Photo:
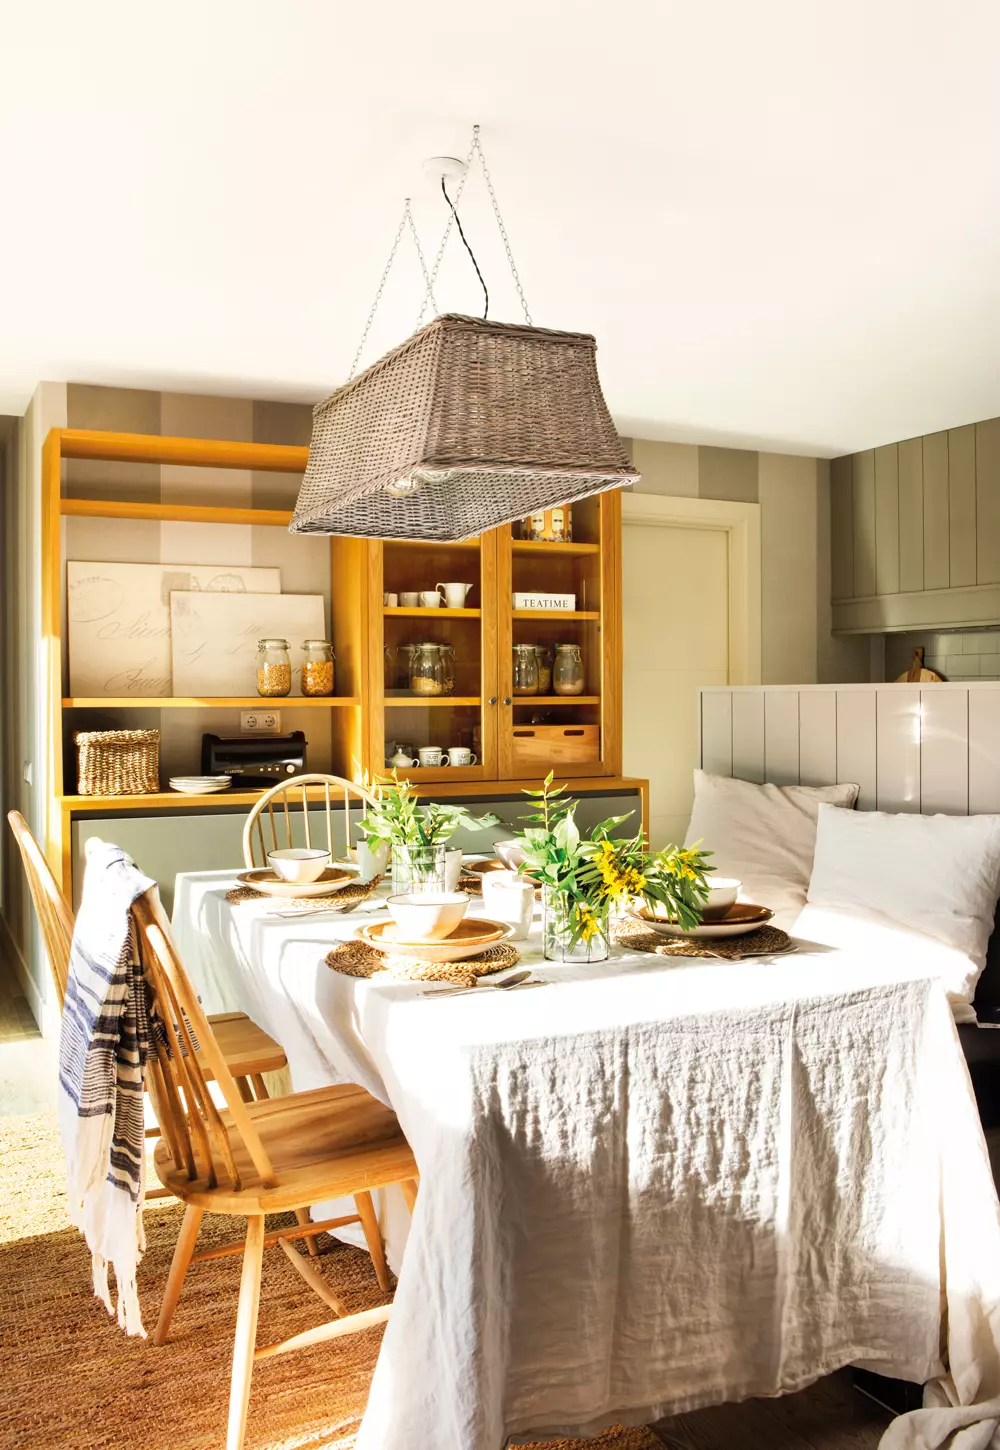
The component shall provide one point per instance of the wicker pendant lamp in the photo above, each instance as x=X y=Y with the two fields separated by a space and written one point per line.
x=467 y=425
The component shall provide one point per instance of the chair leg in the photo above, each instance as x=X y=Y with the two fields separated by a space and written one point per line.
x=303 y=1219
x=373 y=1238
x=183 y=1250
x=409 y=1187
x=246 y=1333
x=243 y=1087
x=259 y=1086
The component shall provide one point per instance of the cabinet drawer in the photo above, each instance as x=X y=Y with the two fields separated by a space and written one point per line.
x=543 y=745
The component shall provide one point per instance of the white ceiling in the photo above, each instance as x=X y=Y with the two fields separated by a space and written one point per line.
x=780 y=218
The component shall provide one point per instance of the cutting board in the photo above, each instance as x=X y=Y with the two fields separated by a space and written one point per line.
x=918 y=672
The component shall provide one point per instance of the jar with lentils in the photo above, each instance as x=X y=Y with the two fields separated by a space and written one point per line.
x=274 y=668
x=317 y=667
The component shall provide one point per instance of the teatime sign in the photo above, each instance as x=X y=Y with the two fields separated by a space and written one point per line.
x=119 y=620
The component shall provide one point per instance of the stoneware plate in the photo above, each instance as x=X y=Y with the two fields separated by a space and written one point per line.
x=486 y=868
x=262 y=878
x=199 y=784
x=471 y=936
x=738 y=920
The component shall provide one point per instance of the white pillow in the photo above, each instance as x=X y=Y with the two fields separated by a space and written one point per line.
x=762 y=834
x=934 y=878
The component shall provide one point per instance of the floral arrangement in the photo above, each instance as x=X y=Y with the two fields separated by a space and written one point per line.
x=587 y=879
x=395 y=819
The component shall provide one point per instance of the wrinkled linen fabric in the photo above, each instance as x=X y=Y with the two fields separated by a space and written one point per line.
x=652 y=1185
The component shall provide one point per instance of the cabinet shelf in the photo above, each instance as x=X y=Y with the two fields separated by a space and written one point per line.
x=205 y=702
x=527 y=547
x=430 y=701
x=173 y=513
x=557 y=700
x=433 y=613
x=556 y=613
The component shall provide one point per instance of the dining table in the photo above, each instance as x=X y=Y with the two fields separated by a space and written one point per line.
x=647 y=1184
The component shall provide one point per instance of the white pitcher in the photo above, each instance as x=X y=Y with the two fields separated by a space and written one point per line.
x=453 y=594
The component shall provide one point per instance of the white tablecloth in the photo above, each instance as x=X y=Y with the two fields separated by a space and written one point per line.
x=647 y=1186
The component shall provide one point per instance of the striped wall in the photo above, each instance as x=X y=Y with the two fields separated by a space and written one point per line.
x=926 y=749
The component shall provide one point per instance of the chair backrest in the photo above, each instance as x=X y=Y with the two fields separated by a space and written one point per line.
x=189 y=1119
x=55 y=916
x=288 y=802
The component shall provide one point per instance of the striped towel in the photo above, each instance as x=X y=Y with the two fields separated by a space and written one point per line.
x=102 y=1055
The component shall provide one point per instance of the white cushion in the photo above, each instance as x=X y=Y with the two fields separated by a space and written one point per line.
x=926 y=885
x=762 y=834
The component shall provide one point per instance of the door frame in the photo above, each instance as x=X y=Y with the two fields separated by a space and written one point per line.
x=740 y=522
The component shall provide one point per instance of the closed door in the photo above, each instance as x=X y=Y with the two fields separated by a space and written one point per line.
x=675 y=625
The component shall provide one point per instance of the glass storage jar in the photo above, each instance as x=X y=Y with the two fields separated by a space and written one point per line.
x=544 y=657
x=525 y=670
x=274 y=668
x=567 y=672
x=317 y=667
x=426 y=672
x=447 y=669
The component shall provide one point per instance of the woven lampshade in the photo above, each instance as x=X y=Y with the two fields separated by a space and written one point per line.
x=467 y=425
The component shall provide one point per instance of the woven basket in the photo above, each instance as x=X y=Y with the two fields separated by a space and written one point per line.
x=493 y=421
x=117 y=762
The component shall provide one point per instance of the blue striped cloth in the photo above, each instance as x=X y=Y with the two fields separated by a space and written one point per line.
x=103 y=1045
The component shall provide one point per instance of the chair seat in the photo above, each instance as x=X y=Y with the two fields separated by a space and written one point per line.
x=332 y=1142
x=245 y=1046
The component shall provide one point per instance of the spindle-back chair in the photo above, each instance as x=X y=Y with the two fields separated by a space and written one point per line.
x=285 y=802
x=251 y=1159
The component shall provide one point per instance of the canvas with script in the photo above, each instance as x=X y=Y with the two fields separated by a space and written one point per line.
x=119 y=620
x=214 y=638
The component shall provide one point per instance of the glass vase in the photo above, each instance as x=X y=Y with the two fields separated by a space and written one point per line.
x=557 y=933
x=418 y=868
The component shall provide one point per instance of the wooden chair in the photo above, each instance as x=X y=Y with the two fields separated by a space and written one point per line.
x=281 y=822
x=257 y=1158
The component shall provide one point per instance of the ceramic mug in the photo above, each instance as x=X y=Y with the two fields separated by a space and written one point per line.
x=430 y=599
x=458 y=755
x=430 y=755
x=409 y=601
x=453 y=594
x=452 y=869
x=391 y=601
x=507 y=897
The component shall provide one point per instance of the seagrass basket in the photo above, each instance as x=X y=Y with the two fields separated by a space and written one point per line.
x=117 y=762
x=467 y=425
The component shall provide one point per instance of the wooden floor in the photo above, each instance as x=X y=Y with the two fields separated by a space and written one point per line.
x=28 y=1074
x=830 y=1415
x=16 y=1021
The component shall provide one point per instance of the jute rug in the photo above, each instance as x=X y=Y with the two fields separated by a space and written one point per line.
x=71 y=1379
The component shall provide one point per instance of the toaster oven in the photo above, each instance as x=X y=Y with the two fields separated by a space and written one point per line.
x=254 y=760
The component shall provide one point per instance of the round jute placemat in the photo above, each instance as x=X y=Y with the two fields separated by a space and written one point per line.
x=634 y=937
x=122 y=1392
x=357 y=959
x=352 y=895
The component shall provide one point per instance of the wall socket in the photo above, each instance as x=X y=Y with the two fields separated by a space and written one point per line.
x=260 y=722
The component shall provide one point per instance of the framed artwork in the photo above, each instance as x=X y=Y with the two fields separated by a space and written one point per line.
x=118 y=618
x=214 y=637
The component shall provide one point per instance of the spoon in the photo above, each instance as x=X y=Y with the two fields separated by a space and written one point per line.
x=516 y=979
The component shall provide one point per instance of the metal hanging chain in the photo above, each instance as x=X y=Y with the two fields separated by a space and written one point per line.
x=406 y=220
x=503 y=230
x=429 y=291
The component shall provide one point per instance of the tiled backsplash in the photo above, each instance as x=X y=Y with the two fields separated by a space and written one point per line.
x=957 y=654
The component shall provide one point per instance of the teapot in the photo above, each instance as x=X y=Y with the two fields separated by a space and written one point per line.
x=402 y=760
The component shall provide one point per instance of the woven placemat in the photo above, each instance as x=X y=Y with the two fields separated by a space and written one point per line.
x=357 y=959
x=635 y=937
x=352 y=895
x=472 y=885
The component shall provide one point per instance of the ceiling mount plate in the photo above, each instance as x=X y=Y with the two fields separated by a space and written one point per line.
x=444 y=168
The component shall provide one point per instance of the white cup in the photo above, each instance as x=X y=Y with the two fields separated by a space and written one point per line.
x=459 y=755
x=410 y=601
x=430 y=599
x=452 y=869
x=371 y=863
x=391 y=601
x=430 y=755
x=453 y=594
x=510 y=899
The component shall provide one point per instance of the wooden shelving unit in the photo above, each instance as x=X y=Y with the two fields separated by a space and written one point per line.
x=367 y=711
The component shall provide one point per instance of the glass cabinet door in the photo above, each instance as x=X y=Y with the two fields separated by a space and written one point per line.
x=558 y=601
x=433 y=665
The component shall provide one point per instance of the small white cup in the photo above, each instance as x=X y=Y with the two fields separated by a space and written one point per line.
x=452 y=869
x=371 y=863
x=430 y=599
x=391 y=601
x=453 y=594
x=430 y=755
x=510 y=899
x=409 y=601
x=459 y=755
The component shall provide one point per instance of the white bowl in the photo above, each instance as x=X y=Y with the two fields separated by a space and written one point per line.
x=299 y=863
x=510 y=853
x=723 y=891
x=427 y=915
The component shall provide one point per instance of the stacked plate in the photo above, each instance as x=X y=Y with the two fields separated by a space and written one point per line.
x=737 y=920
x=199 y=784
x=472 y=936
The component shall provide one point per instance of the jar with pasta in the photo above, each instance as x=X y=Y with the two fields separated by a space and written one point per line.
x=447 y=669
x=426 y=673
x=525 y=670
x=274 y=668
x=567 y=672
x=317 y=667
x=543 y=655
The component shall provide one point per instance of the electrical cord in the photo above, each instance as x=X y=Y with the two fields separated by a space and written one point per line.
x=465 y=240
